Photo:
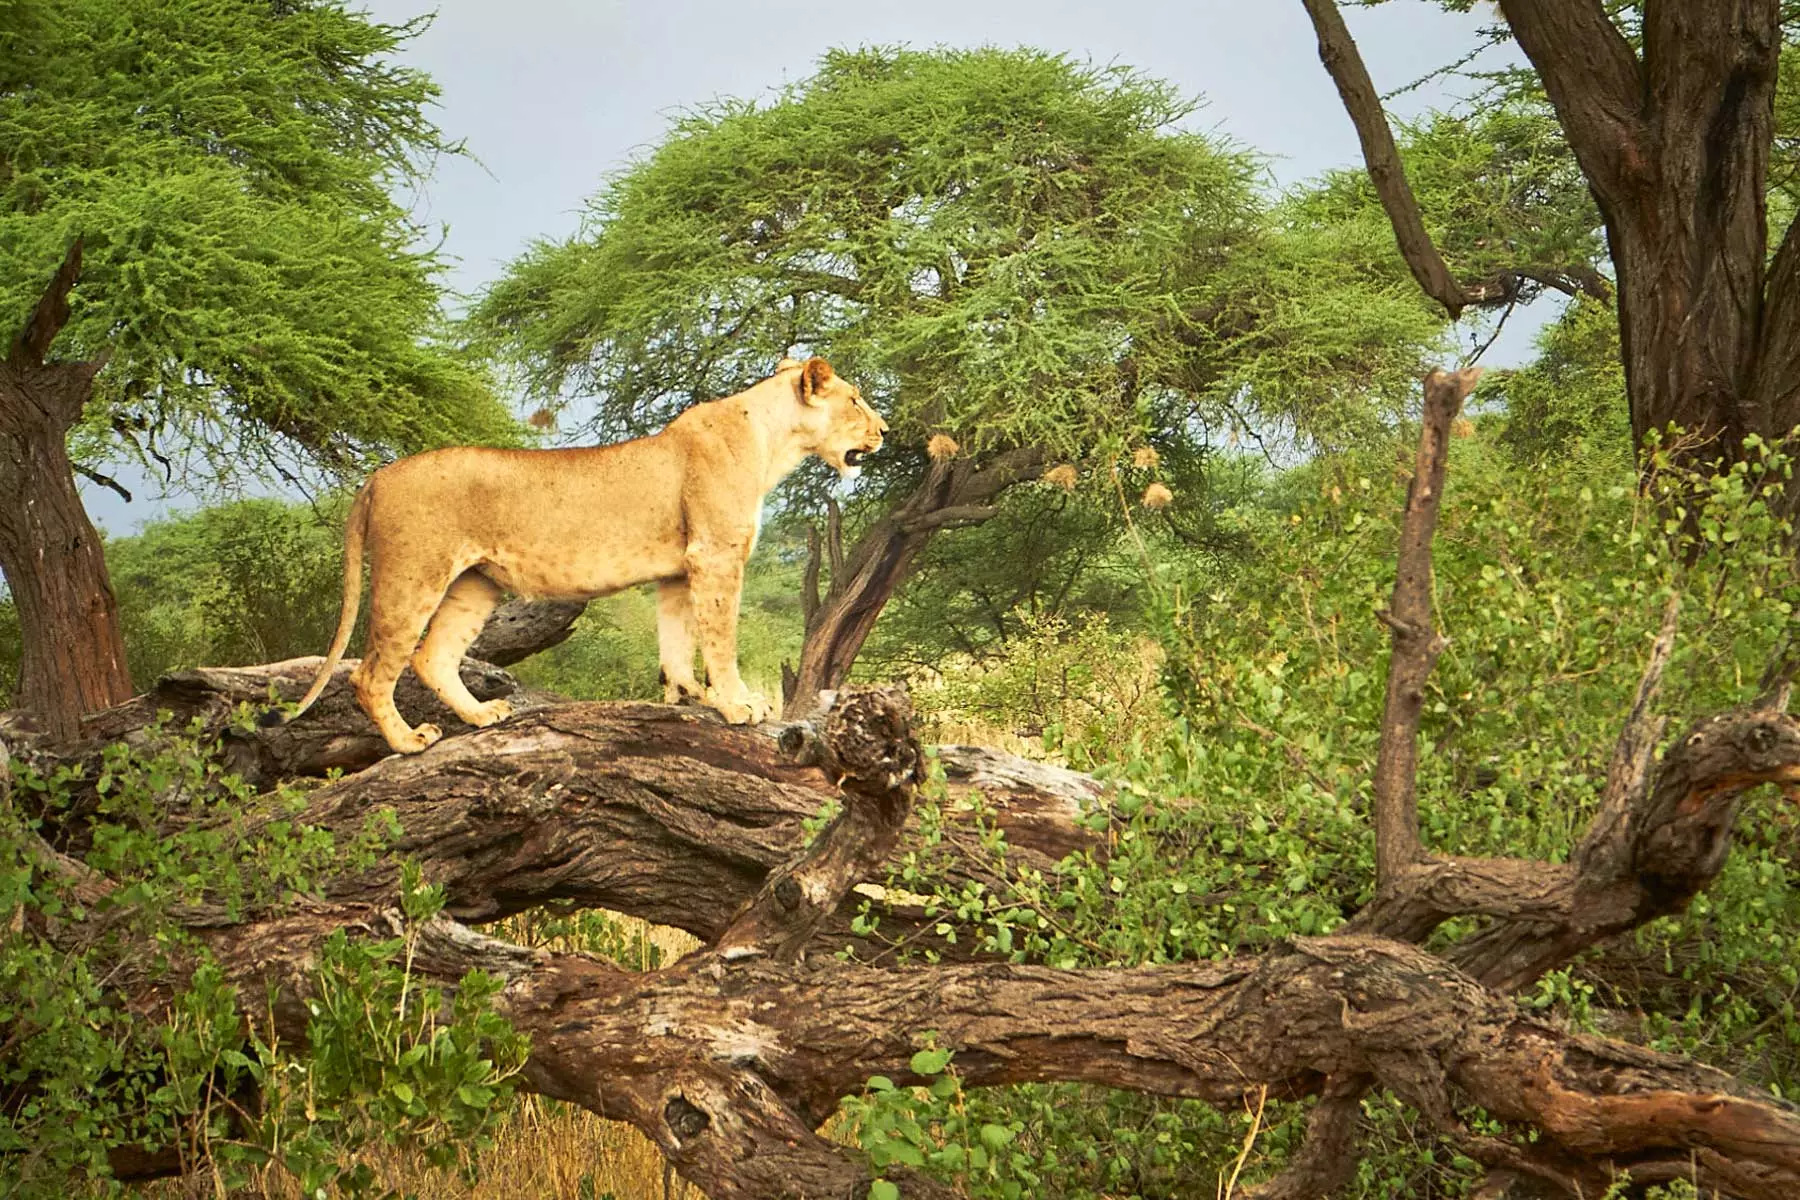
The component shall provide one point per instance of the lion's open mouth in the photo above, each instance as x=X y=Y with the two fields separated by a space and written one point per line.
x=853 y=458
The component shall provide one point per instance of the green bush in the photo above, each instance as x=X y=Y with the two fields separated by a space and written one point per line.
x=385 y=1059
x=1249 y=822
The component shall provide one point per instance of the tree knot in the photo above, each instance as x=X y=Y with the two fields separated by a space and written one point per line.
x=869 y=741
x=684 y=1119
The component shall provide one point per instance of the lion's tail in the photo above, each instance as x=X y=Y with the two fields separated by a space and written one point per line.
x=355 y=530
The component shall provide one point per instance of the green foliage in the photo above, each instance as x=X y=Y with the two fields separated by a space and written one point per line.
x=387 y=1062
x=228 y=165
x=246 y=582
x=938 y=1128
x=1003 y=245
x=1498 y=188
x=183 y=841
x=612 y=655
x=1249 y=824
x=1569 y=404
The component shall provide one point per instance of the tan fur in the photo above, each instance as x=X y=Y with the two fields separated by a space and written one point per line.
x=450 y=530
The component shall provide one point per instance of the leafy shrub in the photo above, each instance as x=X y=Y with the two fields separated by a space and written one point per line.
x=385 y=1059
x=1249 y=821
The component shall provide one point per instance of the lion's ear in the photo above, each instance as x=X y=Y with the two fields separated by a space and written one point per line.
x=813 y=376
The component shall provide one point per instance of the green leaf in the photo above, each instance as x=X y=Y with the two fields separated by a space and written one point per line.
x=929 y=1062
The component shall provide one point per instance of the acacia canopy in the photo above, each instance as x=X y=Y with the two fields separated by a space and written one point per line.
x=230 y=169
x=1006 y=246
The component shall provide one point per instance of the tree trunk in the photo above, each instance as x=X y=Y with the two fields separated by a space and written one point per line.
x=1675 y=143
x=730 y=1058
x=1681 y=182
x=955 y=492
x=74 y=653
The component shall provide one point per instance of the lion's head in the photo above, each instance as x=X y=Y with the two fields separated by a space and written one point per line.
x=835 y=422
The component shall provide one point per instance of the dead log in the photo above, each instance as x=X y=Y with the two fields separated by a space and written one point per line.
x=730 y=1058
x=520 y=628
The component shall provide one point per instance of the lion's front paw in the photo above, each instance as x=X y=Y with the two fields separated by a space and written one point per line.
x=746 y=708
x=491 y=713
x=416 y=739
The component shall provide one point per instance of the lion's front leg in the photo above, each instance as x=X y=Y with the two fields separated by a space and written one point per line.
x=715 y=582
x=675 y=641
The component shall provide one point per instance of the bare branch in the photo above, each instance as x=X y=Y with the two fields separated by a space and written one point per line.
x=834 y=544
x=809 y=579
x=955 y=516
x=1338 y=51
x=1416 y=644
x=869 y=748
x=105 y=481
x=1628 y=772
x=1326 y=1160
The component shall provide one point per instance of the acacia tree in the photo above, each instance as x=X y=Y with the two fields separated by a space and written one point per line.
x=200 y=263
x=1670 y=109
x=1021 y=253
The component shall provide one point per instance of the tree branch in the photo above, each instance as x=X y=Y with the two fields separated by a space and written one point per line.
x=1416 y=644
x=955 y=516
x=49 y=316
x=869 y=749
x=1593 y=80
x=1339 y=53
x=520 y=628
x=105 y=481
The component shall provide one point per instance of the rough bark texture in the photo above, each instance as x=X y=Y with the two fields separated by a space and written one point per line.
x=1675 y=144
x=73 y=658
x=520 y=628
x=955 y=492
x=1416 y=644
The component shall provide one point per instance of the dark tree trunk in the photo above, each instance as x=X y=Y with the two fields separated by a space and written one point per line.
x=74 y=654
x=1674 y=142
x=1676 y=146
x=955 y=492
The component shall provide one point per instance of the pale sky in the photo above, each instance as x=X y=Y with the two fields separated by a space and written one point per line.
x=552 y=96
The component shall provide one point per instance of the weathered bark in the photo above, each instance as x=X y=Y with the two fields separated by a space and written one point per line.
x=1675 y=144
x=576 y=803
x=955 y=492
x=73 y=658
x=520 y=628
x=731 y=1057
x=1416 y=644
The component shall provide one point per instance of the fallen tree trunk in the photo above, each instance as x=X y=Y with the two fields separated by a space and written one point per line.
x=730 y=1058
x=646 y=809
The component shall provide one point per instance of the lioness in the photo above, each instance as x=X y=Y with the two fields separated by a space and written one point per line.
x=449 y=530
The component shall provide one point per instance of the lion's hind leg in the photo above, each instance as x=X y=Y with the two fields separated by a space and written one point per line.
x=454 y=628
x=396 y=614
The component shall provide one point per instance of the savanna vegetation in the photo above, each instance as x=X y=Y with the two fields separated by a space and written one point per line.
x=1387 y=784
